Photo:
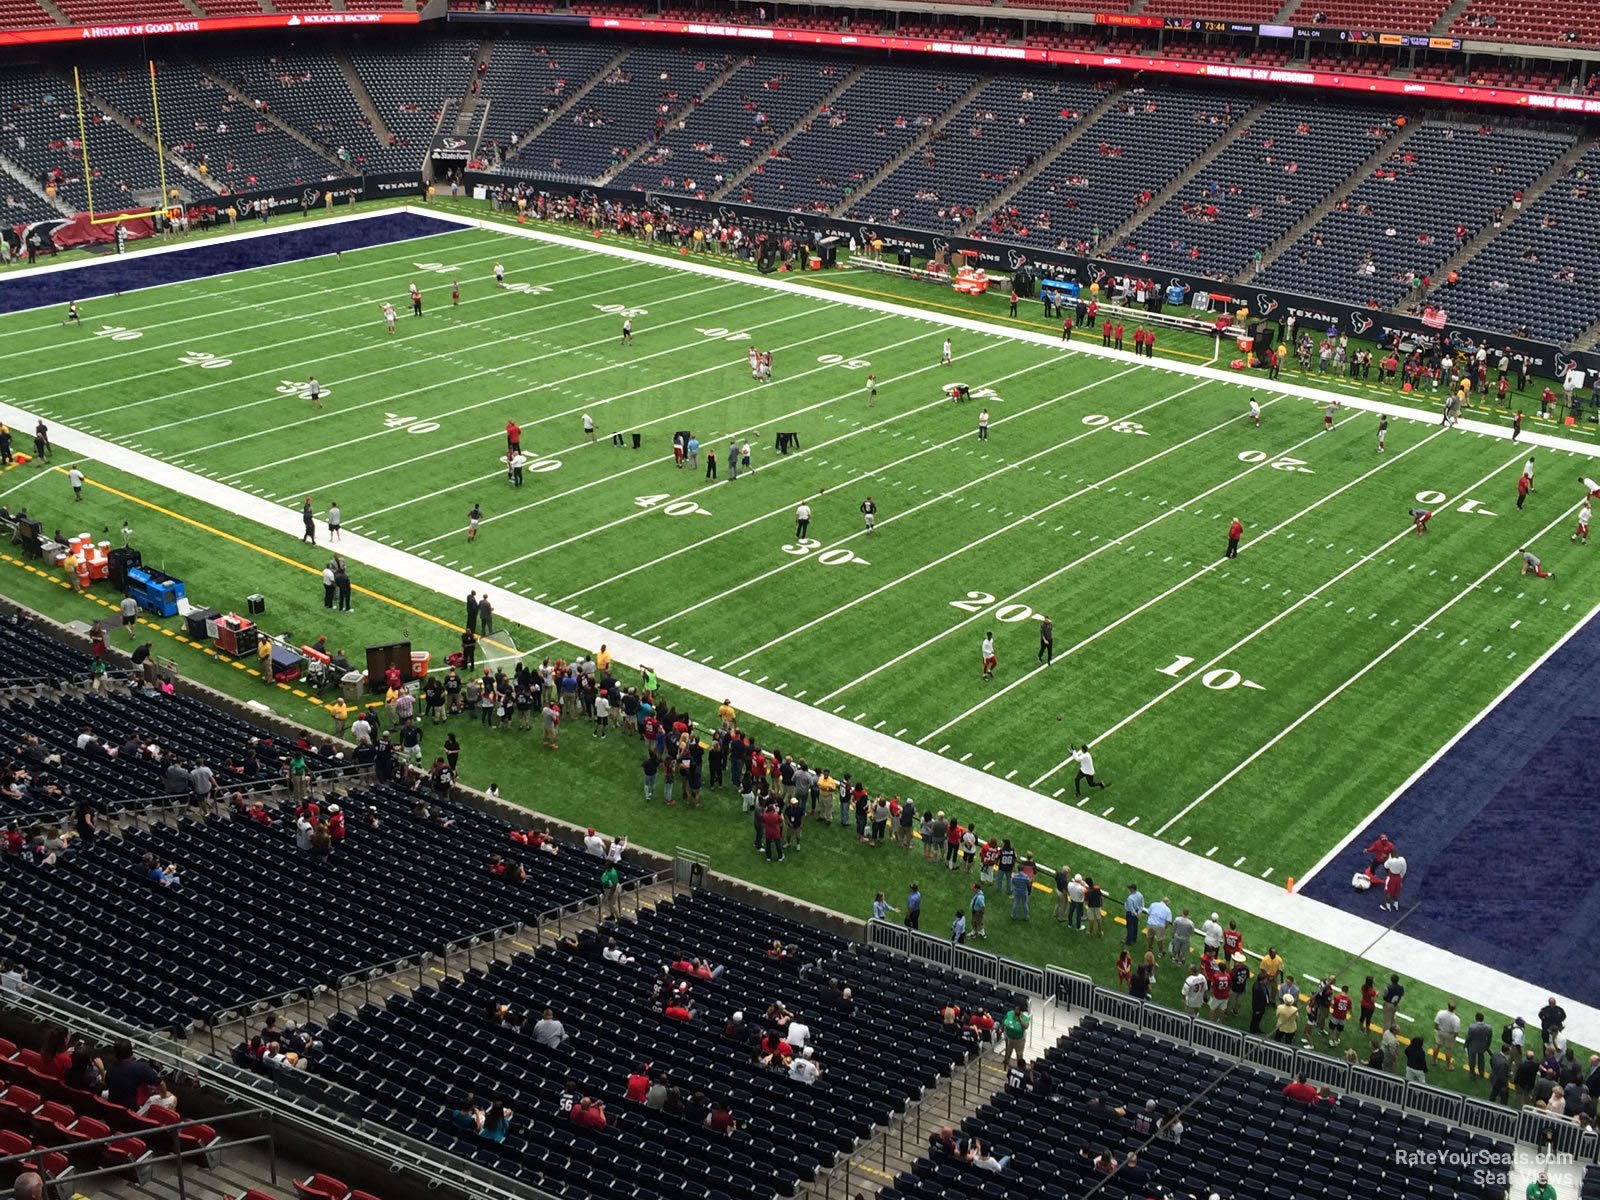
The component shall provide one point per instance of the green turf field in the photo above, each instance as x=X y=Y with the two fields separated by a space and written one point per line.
x=1324 y=664
x=1100 y=498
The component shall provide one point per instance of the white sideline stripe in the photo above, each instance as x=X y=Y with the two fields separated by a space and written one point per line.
x=538 y=387
x=652 y=460
x=1316 y=592
x=1383 y=805
x=455 y=447
x=1342 y=931
x=344 y=381
x=768 y=515
x=1203 y=571
x=1398 y=642
x=1018 y=523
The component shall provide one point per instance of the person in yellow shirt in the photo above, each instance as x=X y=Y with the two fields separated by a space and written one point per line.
x=70 y=565
x=339 y=711
x=264 y=659
x=389 y=698
x=602 y=661
x=827 y=789
x=1271 y=966
x=726 y=714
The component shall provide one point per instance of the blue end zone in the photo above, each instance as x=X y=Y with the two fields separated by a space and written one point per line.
x=1498 y=835
x=25 y=290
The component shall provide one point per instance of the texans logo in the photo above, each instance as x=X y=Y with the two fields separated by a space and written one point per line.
x=797 y=225
x=310 y=196
x=1097 y=273
x=728 y=215
x=940 y=245
x=1265 y=305
x=868 y=235
x=1015 y=259
x=588 y=197
x=1565 y=364
x=1360 y=322
x=1459 y=342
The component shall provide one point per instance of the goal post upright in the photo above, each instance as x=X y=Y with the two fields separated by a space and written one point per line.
x=83 y=142
x=161 y=145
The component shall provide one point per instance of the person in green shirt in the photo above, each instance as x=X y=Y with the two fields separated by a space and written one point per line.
x=1015 y=1027
x=297 y=777
x=1540 y=1188
x=611 y=891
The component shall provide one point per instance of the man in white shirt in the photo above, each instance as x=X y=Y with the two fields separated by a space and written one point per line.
x=1211 y=934
x=1195 y=988
x=802 y=520
x=983 y=425
x=1446 y=1027
x=1255 y=411
x=594 y=844
x=944 y=353
x=988 y=656
x=1581 y=533
x=804 y=1069
x=1085 y=762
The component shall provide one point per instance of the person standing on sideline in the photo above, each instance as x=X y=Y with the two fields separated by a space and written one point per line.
x=330 y=586
x=41 y=442
x=802 y=520
x=733 y=459
x=987 y=650
x=515 y=467
x=1255 y=412
x=914 y=907
x=1327 y=415
x=472 y=610
x=1581 y=533
x=75 y=478
x=1523 y=483
x=945 y=357
x=473 y=518
x=1132 y=911
x=1235 y=532
x=1383 y=430
x=869 y=514
x=309 y=520
x=1047 y=641
x=627 y=331
x=872 y=388
x=1393 y=993
x=1066 y=328
x=1013 y=311
x=980 y=906
x=485 y=616
x=335 y=522
x=692 y=449
x=1516 y=425
x=1480 y=1035
x=341 y=580
x=983 y=424
x=1085 y=762
x=711 y=462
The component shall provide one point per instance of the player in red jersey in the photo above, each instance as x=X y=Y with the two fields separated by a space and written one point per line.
x=1232 y=941
x=455 y=292
x=1338 y=1014
x=1420 y=518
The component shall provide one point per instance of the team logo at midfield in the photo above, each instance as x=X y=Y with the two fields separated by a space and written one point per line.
x=1360 y=322
x=1265 y=304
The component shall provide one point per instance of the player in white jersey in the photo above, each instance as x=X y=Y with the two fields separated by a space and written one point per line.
x=1255 y=412
x=1581 y=533
x=627 y=331
x=499 y=275
x=388 y=315
x=945 y=357
x=314 y=392
x=872 y=388
x=753 y=356
x=988 y=656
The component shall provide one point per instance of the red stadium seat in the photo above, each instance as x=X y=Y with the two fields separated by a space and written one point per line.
x=321 y=1187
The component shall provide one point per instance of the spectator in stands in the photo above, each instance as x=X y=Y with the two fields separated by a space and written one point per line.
x=129 y=1080
x=720 y=1120
x=805 y=1068
x=588 y=1113
x=28 y=1186
x=1299 y=1089
x=163 y=876
x=985 y=1160
x=161 y=1098
x=548 y=1031
x=86 y=1071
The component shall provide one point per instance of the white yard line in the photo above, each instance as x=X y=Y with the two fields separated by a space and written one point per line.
x=786 y=509
x=1187 y=580
x=1018 y=523
x=1361 y=674
x=1200 y=670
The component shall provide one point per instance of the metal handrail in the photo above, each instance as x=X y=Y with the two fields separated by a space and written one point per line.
x=173 y=1127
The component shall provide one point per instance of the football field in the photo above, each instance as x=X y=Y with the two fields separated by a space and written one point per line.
x=1252 y=709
